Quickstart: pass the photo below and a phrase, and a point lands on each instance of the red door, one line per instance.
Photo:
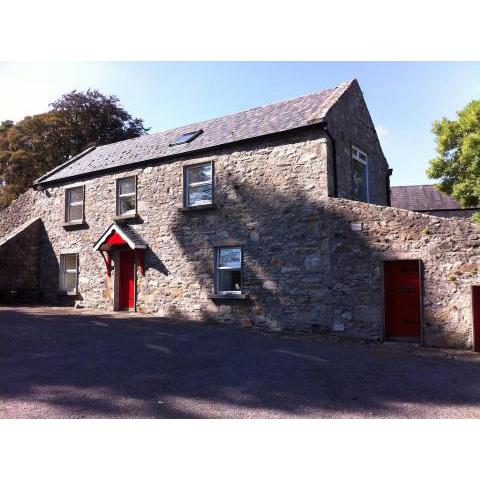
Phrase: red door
(402, 298)
(476, 317)
(127, 279)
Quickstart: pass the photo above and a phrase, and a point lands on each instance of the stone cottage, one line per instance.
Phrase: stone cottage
(275, 217)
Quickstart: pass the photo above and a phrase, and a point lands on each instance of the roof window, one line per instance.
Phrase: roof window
(186, 137)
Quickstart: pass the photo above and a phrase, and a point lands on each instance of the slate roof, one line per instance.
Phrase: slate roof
(264, 120)
(422, 198)
(133, 235)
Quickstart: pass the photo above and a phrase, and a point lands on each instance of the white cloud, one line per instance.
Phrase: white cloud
(382, 132)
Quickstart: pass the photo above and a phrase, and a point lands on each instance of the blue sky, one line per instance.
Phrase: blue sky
(403, 97)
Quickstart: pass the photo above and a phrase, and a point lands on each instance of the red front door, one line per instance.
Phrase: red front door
(402, 298)
(476, 317)
(127, 280)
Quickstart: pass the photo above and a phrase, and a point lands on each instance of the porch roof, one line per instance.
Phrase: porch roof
(127, 234)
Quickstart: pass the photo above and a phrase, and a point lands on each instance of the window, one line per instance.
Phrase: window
(74, 200)
(228, 270)
(68, 273)
(186, 137)
(127, 196)
(198, 184)
(359, 175)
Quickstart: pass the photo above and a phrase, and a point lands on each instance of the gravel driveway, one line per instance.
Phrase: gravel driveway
(59, 363)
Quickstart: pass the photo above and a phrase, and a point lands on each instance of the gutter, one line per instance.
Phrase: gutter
(389, 188)
(334, 154)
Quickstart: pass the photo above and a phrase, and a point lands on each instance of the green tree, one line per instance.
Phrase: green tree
(457, 164)
(77, 120)
(5, 125)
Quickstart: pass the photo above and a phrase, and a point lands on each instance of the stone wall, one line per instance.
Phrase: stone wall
(449, 252)
(350, 123)
(19, 257)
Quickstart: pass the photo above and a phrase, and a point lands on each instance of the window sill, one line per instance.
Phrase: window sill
(72, 225)
(131, 216)
(194, 208)
(229, 296)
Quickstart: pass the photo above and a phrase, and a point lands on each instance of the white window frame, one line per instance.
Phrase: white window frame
(126, 195)
(217, 270)
(69, 204)
(356, 156)
(64, 271)
(189, 185)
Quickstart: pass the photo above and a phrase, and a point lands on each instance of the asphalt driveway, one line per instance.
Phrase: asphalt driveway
(59, 363)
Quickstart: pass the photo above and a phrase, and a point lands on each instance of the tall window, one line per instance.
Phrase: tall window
(359, 175)
(127, 196)
(198, 184)
(228, 270)
(69, 273)
(74, 202)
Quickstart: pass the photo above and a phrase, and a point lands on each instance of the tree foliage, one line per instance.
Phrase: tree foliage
(457, 164)
(76, 121)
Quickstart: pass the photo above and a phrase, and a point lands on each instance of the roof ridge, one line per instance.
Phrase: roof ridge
(258, 107)
(419, 185)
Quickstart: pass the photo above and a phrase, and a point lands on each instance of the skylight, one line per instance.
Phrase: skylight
(186, 137)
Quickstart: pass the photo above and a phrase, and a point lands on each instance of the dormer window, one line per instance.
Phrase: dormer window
(186, 137)
(74, 204)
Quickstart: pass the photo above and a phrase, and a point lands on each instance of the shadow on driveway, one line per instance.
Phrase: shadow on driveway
(57, 363)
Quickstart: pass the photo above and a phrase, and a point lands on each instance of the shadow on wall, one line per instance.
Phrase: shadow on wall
(309, 266)
(153, 261)
(84, 365)
(49, 275)
(30, 270)
(292, 247)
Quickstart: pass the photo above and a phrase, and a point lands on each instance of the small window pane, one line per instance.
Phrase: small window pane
(74, 205)
(229, 280)
(76, 195)
(69, 282)
(126, 186)
(200, 173)
(230, 258)
(126, 205)
(75, 213)
(200, 195)
(359, 181)
(68, 273)
(70, 262)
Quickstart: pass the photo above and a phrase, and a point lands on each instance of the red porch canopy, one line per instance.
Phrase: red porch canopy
(121, 236)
